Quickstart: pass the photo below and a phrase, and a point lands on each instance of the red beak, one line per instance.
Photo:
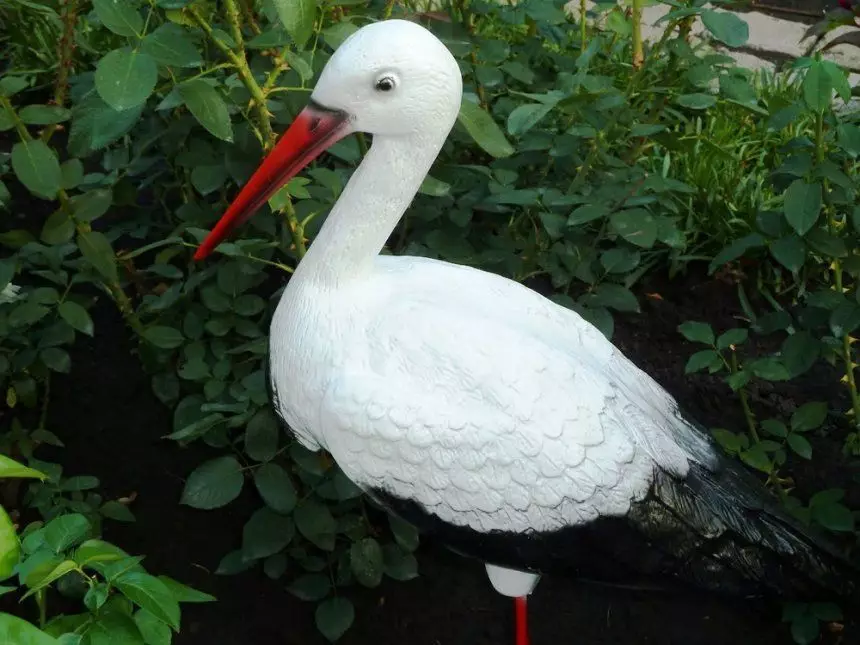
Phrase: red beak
(314, 129)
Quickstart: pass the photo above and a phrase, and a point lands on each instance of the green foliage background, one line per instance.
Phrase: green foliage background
(580, 157)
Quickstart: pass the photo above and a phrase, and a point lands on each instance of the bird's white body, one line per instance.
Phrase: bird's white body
(488, 405)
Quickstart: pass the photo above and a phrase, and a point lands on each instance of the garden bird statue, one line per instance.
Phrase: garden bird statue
(473, 407)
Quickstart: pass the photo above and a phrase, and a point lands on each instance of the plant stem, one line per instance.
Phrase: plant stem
(745, 404)
(66, 48)
(846, 353)
(638, 53)
(583, 33)
(42, 602)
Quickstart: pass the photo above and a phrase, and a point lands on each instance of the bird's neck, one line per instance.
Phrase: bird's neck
(368, 209)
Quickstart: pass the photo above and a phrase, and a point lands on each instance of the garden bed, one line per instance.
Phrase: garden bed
(112, 425)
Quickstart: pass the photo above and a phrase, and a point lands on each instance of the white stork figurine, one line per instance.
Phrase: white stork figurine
(475, 408)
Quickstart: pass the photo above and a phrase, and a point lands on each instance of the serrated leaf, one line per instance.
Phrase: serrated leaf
(726, 26)
(808, 416)
(171, 45)
(636, 225)
(315, 522)
(120, 16)
(266, 533)
(213, 484)
(36, 166)
(732, 337)
(207, 106)
(66, 530)
(154, 630)
(262, 434)
(334, 617)
(802, 205)
(817, 87)
(150, 593)
(790, 252)
(484, 130)
(78, 317)
(276, 488)
(125, 78)
(184, 593)
(298, 17)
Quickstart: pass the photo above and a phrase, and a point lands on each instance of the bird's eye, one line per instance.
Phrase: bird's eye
(385, 84)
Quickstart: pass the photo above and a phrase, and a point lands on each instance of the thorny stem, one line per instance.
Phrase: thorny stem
(258, 96)
(638, 54)
(847, 358)
(745, 404)
(583, 33)
(66, 48)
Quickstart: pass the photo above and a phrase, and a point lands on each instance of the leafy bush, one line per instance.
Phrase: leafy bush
(582, 157)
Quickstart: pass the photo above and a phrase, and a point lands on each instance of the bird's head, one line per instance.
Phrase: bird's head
(389, 79)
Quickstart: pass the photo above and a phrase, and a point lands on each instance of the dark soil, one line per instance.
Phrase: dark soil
(112, 425)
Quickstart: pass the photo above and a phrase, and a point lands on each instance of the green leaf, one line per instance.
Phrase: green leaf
(404, 533)
(184, 593)
(808, 416)
(800, 445)
(802, 205)
(849, 138)
(706, 359)
(804, 629)
(125, 78)
(298, 17)
(735, 250)
(613, 296)
(153, 629)
(732, 337)
(41, 578)
(697, 101)
(484, 130)
(266, 533)
(43, 114)
(366, 562)
(799, 352)
(769, 369)
(636, 225)
(834, 516)
(738, 380)
(213, 484)
(120, 16)
(845, 319)
(587, 213)
(757, 458)
(524, 117)
(697, 332)
(150, 593)
(315, 522)
(334, 617)
(72, 171)
(56, 359)
(14, 630)
(310, 586)
(97, 250)
(163, 337)
(726, 27)
(66, 530)
(398, 564)
(10, 546)
(207, 106)
(276, 488)
(113, 628)
(36, 166)
(775, 428)
(790, 252)
(98, 551)
(817, 87)
(93, 204)
(261, 437)
(78, 317)
(171, 45)
(10, 468)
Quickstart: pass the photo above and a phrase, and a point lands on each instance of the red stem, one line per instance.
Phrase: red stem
(522, 624)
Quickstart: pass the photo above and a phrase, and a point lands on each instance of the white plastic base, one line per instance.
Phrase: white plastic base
(511, 582)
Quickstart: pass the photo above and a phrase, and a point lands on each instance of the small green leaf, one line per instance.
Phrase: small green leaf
(150, 593)
(56, 359)
(207, 106)
(20, 632)
(315, 522)
(799, 352)
(92, 204)
(790, 252)
(587, 213)
(808, 416)
(276, 488)
(834, 516)
(10, 468)
(78, 317)
(697, 332)
(154, 630)
(636, 225)
(800, 445)
(298, 17)
(120, 16)
(802, 205)
(524, 117)
(36, 166)
(171, 45)
(184, 593)
(732, 337)
(817, 87)
(612, 296)
(484, 130)
(769, 369)
(261, 437)
(757, 458)
(366, 562)
(266, 533)
(213, 484)
(696, 101)
(164, 337)
(706, 359)
(125, 78)
(845, 319)
(97, 250)
(775, 428)
(334, 617)
(10, 546)
(66, 530)
(310, 586)
(726, 27)
(44, 114)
